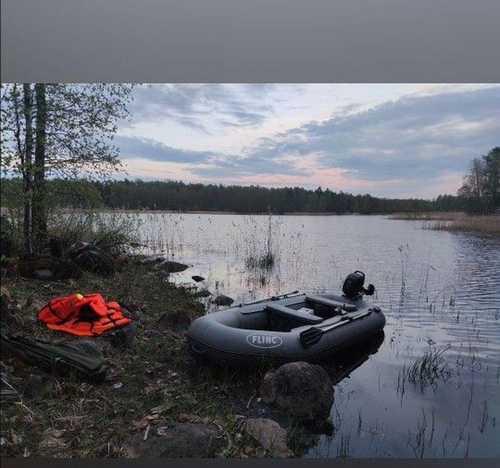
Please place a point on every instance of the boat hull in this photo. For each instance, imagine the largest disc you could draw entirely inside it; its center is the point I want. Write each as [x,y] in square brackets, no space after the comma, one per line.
[235,336]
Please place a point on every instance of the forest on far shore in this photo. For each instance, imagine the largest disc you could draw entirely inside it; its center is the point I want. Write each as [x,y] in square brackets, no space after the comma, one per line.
[180,196]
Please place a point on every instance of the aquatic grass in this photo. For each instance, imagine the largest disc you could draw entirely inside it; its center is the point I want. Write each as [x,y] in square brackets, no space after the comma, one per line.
[344,447]
[113,232]
[427,216]
[424,435]
[454,221]
[263,262]
[481,224]
[429,369]
[258,257]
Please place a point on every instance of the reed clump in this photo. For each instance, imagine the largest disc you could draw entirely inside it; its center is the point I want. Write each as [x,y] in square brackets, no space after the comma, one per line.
[429,369]
[428,216]
[454,221]
[481,224]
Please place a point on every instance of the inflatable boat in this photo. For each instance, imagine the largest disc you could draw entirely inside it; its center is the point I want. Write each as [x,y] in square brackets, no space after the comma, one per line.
[295,327]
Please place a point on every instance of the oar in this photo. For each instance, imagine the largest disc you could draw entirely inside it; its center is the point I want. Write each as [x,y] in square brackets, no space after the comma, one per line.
[272,298]
[313,335]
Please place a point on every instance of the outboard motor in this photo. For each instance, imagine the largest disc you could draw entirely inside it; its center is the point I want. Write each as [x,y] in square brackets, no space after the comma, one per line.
[354,286]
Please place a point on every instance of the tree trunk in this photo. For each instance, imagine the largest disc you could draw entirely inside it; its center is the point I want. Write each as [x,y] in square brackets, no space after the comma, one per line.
[39,208]
[27,169]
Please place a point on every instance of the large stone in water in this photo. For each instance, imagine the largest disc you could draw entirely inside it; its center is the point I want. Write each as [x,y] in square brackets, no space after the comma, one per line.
[172,267]
[302,390]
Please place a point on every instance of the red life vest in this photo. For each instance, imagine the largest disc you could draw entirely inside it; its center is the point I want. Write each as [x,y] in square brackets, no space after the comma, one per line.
[88,315]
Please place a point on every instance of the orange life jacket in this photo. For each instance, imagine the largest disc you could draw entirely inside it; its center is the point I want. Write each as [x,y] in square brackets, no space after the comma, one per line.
[88,315]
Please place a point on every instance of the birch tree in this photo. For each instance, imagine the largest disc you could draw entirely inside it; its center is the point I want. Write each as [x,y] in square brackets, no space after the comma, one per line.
[63,130]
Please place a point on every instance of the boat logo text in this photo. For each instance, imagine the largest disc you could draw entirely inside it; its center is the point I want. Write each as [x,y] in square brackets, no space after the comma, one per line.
[264,341]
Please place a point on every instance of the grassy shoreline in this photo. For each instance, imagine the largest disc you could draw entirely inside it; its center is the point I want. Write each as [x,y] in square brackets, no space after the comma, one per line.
[454,222]
[152,383]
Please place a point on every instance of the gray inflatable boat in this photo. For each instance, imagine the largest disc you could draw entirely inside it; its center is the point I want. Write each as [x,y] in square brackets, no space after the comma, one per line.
[283,329]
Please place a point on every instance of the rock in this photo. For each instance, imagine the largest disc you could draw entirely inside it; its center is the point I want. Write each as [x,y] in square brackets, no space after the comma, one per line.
[172,267]
[47,267]
[303,390]
[180,440]
[203,293]
[270,435]
[197,278]
[122,337]
[223,300]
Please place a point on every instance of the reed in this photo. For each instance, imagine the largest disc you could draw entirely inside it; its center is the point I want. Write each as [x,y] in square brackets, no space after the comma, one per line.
[428,216]
[454,221]
[429,369]
[480,224]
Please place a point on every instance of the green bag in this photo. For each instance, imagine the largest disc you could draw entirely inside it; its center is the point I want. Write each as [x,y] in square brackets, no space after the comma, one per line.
[79,356]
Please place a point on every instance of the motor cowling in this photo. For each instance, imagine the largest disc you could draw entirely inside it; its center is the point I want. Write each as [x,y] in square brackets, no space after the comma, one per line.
[354,285]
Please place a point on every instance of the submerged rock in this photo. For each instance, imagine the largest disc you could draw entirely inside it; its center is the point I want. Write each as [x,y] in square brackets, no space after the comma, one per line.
[303,390]
[181,440]
[152,259]
[270,435]
[223,300]
[172,267]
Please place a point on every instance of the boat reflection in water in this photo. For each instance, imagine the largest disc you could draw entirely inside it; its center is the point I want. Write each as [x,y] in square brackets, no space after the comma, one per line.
[348,360]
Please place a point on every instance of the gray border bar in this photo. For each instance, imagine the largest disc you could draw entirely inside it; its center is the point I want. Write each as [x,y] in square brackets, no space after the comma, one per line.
[252,463]
[250,40]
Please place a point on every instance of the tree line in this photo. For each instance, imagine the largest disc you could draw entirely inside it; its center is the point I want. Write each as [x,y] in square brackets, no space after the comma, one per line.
[180,196]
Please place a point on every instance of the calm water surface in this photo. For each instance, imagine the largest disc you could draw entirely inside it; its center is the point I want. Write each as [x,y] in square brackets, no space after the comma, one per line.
[440,292]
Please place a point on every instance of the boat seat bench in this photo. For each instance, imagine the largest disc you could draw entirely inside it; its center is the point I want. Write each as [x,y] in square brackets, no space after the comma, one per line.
[299,316]
[330,303]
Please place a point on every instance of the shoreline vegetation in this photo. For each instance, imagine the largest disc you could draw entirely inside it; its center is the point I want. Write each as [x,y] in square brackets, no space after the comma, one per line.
[156,399]
[152,383]
[454,222]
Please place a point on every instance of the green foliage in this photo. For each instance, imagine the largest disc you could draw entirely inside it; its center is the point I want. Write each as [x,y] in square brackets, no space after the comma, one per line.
[179,196]
[481,187]
[112,232]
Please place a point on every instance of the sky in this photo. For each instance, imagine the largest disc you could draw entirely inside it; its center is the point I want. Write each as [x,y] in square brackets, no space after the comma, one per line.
[389,140]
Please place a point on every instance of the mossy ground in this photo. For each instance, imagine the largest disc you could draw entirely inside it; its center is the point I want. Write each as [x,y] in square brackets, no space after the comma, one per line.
[152,382]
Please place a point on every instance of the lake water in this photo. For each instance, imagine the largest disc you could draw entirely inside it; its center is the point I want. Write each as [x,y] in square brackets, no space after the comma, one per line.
[440,292]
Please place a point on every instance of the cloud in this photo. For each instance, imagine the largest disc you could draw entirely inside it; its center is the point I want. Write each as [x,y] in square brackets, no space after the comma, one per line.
[148,149]
[418,145]
[191,104]
[414,137]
